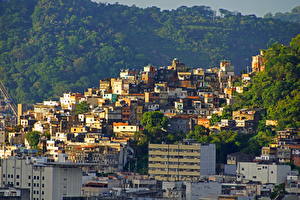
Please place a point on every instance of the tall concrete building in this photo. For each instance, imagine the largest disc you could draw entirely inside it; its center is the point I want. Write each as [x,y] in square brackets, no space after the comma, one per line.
[45,180]
[180,162]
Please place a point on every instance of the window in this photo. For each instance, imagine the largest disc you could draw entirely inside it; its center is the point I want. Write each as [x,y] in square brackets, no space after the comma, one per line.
[28,184]
[17,183]
[8,175]
[33,191]
[29,177]
[18,176]
[3,175]
[43,178]
[42,192]
[38,178]
[272,172]
[34,177]
[254,177]
[43,185]
[243,169]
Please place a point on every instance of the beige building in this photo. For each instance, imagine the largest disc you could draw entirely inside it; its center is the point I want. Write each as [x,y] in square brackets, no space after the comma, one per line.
[172,162]
[245,114]
[45,180]
[258,62]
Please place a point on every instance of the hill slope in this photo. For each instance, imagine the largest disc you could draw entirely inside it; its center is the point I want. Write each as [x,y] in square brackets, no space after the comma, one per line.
[50,46]
[277,90]
[293,16]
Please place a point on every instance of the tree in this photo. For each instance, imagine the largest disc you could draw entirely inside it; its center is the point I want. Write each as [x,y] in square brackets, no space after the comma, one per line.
[227,142]
[199,134]
[214,119]
[227,113]
[33,138]
[155,125]
[278,190]
[82,107]
[256,142]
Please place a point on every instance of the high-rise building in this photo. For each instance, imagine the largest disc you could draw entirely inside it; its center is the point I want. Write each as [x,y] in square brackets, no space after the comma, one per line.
[179,162]
[45,180]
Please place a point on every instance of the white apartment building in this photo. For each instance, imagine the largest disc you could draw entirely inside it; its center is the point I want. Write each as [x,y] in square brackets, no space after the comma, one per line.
[45,180]
[264,173]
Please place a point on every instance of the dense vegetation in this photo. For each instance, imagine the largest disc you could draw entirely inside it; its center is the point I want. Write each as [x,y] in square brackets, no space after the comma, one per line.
[277,89]
[82,107]
[33,138]
[51,46]
[293,16]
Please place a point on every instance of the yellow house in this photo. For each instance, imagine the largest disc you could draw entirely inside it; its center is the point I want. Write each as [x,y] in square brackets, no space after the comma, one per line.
[78,129]
[124,129]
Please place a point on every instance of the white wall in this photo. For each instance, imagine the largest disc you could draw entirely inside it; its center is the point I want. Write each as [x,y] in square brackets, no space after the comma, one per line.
[264,173]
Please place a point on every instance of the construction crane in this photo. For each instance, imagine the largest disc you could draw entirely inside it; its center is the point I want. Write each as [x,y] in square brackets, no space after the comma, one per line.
[8,99]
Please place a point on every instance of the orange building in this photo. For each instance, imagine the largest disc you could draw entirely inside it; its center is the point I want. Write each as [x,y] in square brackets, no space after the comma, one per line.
[204,122]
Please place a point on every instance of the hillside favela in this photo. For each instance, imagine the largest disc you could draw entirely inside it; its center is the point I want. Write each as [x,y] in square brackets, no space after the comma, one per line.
[114,101]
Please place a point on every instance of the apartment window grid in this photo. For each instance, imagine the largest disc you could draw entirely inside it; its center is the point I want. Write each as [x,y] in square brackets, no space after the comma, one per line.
[175,165]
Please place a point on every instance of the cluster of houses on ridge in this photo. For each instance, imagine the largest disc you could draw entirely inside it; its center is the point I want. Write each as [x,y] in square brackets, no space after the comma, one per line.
[88,151]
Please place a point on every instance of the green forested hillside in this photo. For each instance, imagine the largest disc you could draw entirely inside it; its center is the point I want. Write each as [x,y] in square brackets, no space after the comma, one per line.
[293,16]
[50,46]
[277,90]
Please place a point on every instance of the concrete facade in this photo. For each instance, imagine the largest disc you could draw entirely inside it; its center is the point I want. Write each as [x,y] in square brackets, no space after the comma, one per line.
[209,190]
[46,181]
[264,173]
[181,162]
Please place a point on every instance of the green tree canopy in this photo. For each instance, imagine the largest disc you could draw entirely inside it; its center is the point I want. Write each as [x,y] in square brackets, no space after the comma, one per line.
[155,125]
[200,134]
[293,16]
[49,47]
[33,138]
[277,89]
[82,107]
[214,119]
